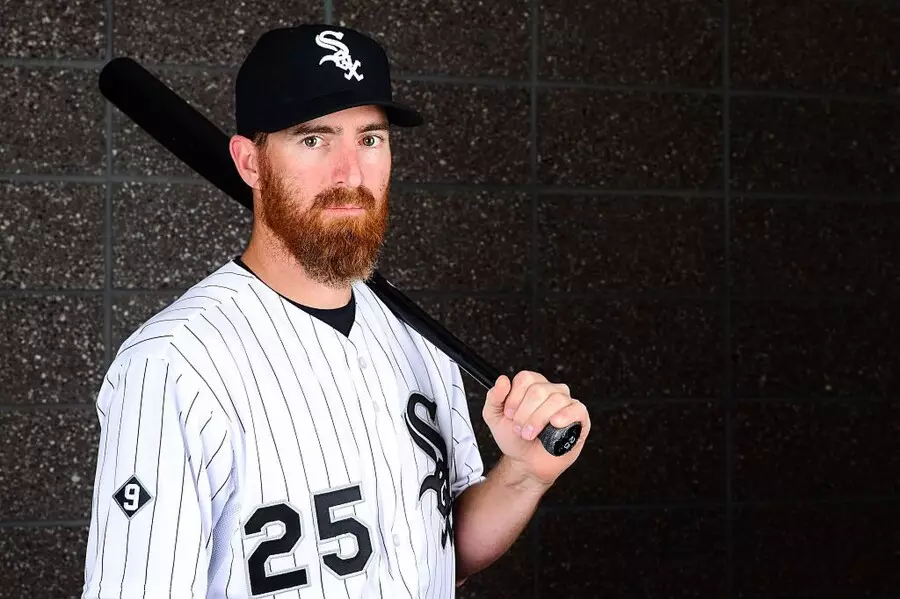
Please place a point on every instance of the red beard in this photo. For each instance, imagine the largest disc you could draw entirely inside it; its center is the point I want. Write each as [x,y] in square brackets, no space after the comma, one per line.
[336,250]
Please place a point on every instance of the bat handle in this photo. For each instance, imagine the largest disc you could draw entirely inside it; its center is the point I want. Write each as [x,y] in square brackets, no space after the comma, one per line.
[557,441]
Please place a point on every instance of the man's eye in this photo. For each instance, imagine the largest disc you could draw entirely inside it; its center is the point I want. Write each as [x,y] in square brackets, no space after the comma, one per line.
[371,140]
[309,142]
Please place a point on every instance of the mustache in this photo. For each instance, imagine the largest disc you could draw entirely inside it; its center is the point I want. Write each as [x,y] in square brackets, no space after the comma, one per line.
[339,197]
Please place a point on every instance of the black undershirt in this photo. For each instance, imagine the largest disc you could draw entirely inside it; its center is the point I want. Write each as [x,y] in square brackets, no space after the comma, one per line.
[339,318]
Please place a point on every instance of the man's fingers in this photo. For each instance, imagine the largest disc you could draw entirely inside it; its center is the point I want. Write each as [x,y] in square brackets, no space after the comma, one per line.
[542,414]
[519,398]
[574,412]
[520,408]
[521,384]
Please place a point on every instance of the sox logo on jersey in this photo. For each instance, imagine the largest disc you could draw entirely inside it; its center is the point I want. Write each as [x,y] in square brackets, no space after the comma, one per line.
[429,440]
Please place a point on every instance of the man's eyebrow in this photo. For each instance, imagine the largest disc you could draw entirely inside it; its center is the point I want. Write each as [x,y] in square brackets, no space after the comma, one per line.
[304,129]
[380,126]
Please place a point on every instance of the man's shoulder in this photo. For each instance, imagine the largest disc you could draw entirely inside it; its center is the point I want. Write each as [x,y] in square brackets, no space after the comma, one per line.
[182,320]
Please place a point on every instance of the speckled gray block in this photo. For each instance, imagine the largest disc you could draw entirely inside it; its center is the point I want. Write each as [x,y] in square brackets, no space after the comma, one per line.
[455,37]
[472,135]
[812,550]
[171,236]
[53,121]
[630,243]
[665,42]
[42,562]
[205,33]
[632,348]
[456,241]
[630,140]
[47,463]
[647,454]
[51,235]
[818,449]
[809,246]
[53,349]
[678,554]
[816,348]
[816,45]
[136,153]
[50,29]
[498,330]
[809,146]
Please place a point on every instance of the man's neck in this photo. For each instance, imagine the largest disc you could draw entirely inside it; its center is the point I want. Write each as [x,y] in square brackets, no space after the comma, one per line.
[281,272]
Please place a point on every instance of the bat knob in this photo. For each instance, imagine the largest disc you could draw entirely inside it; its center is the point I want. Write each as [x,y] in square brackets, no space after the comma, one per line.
[559,441]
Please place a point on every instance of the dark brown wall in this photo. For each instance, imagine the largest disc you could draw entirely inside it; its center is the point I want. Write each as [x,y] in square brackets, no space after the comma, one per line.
[685,209]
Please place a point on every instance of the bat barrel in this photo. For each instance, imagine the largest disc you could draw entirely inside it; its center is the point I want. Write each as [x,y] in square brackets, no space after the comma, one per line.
[174,123]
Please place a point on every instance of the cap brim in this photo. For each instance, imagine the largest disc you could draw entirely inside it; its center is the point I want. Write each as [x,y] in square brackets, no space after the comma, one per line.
[402,115]
[397,113]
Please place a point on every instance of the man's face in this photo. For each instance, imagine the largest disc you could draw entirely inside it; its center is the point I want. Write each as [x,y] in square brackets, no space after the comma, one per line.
[324,189]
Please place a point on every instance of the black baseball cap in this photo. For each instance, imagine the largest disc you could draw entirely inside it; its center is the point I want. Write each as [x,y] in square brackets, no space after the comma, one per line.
[295,74]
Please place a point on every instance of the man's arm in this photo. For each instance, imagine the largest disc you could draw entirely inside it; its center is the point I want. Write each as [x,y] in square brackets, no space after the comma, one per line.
[163,455]
[491,515]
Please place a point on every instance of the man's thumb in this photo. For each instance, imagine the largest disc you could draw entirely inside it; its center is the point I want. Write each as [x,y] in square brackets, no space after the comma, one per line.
[496,397]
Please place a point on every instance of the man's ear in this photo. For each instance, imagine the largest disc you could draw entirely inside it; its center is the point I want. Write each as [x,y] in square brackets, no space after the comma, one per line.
[246,159]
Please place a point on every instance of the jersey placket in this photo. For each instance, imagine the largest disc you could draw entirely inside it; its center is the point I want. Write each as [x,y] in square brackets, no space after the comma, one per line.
[373,377]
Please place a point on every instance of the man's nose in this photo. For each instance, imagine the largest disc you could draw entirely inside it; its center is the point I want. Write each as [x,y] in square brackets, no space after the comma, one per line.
[347,171]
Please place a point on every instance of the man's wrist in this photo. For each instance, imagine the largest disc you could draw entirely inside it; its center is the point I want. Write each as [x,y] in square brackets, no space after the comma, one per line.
[517,477]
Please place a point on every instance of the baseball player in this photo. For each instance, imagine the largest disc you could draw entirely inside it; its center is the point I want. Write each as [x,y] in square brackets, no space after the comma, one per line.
[277,431]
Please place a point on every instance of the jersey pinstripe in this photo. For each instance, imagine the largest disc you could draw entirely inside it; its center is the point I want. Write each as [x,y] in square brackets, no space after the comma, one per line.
[249,449]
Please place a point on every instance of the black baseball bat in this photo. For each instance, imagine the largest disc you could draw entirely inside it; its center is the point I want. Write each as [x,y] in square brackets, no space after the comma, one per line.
[201,145]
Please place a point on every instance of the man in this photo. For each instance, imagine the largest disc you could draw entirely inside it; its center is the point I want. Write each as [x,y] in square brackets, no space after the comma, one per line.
[277,431]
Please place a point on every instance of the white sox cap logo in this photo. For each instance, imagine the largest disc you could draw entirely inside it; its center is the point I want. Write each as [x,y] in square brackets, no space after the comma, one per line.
[341,57]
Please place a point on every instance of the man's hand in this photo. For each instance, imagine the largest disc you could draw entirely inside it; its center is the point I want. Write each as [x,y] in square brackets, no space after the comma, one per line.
[516,411]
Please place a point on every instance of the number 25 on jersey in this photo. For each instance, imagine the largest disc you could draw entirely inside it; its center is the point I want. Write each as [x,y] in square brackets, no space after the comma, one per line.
[327,528]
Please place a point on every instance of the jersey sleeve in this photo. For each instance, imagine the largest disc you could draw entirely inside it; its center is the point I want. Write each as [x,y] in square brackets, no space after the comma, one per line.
[468,465]
[163,476]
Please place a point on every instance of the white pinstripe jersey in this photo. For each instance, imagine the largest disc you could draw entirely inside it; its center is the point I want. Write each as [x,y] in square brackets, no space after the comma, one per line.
[250,449]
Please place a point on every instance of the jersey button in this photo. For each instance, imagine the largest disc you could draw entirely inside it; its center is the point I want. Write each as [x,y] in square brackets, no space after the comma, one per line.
[397,540]
[362,362]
